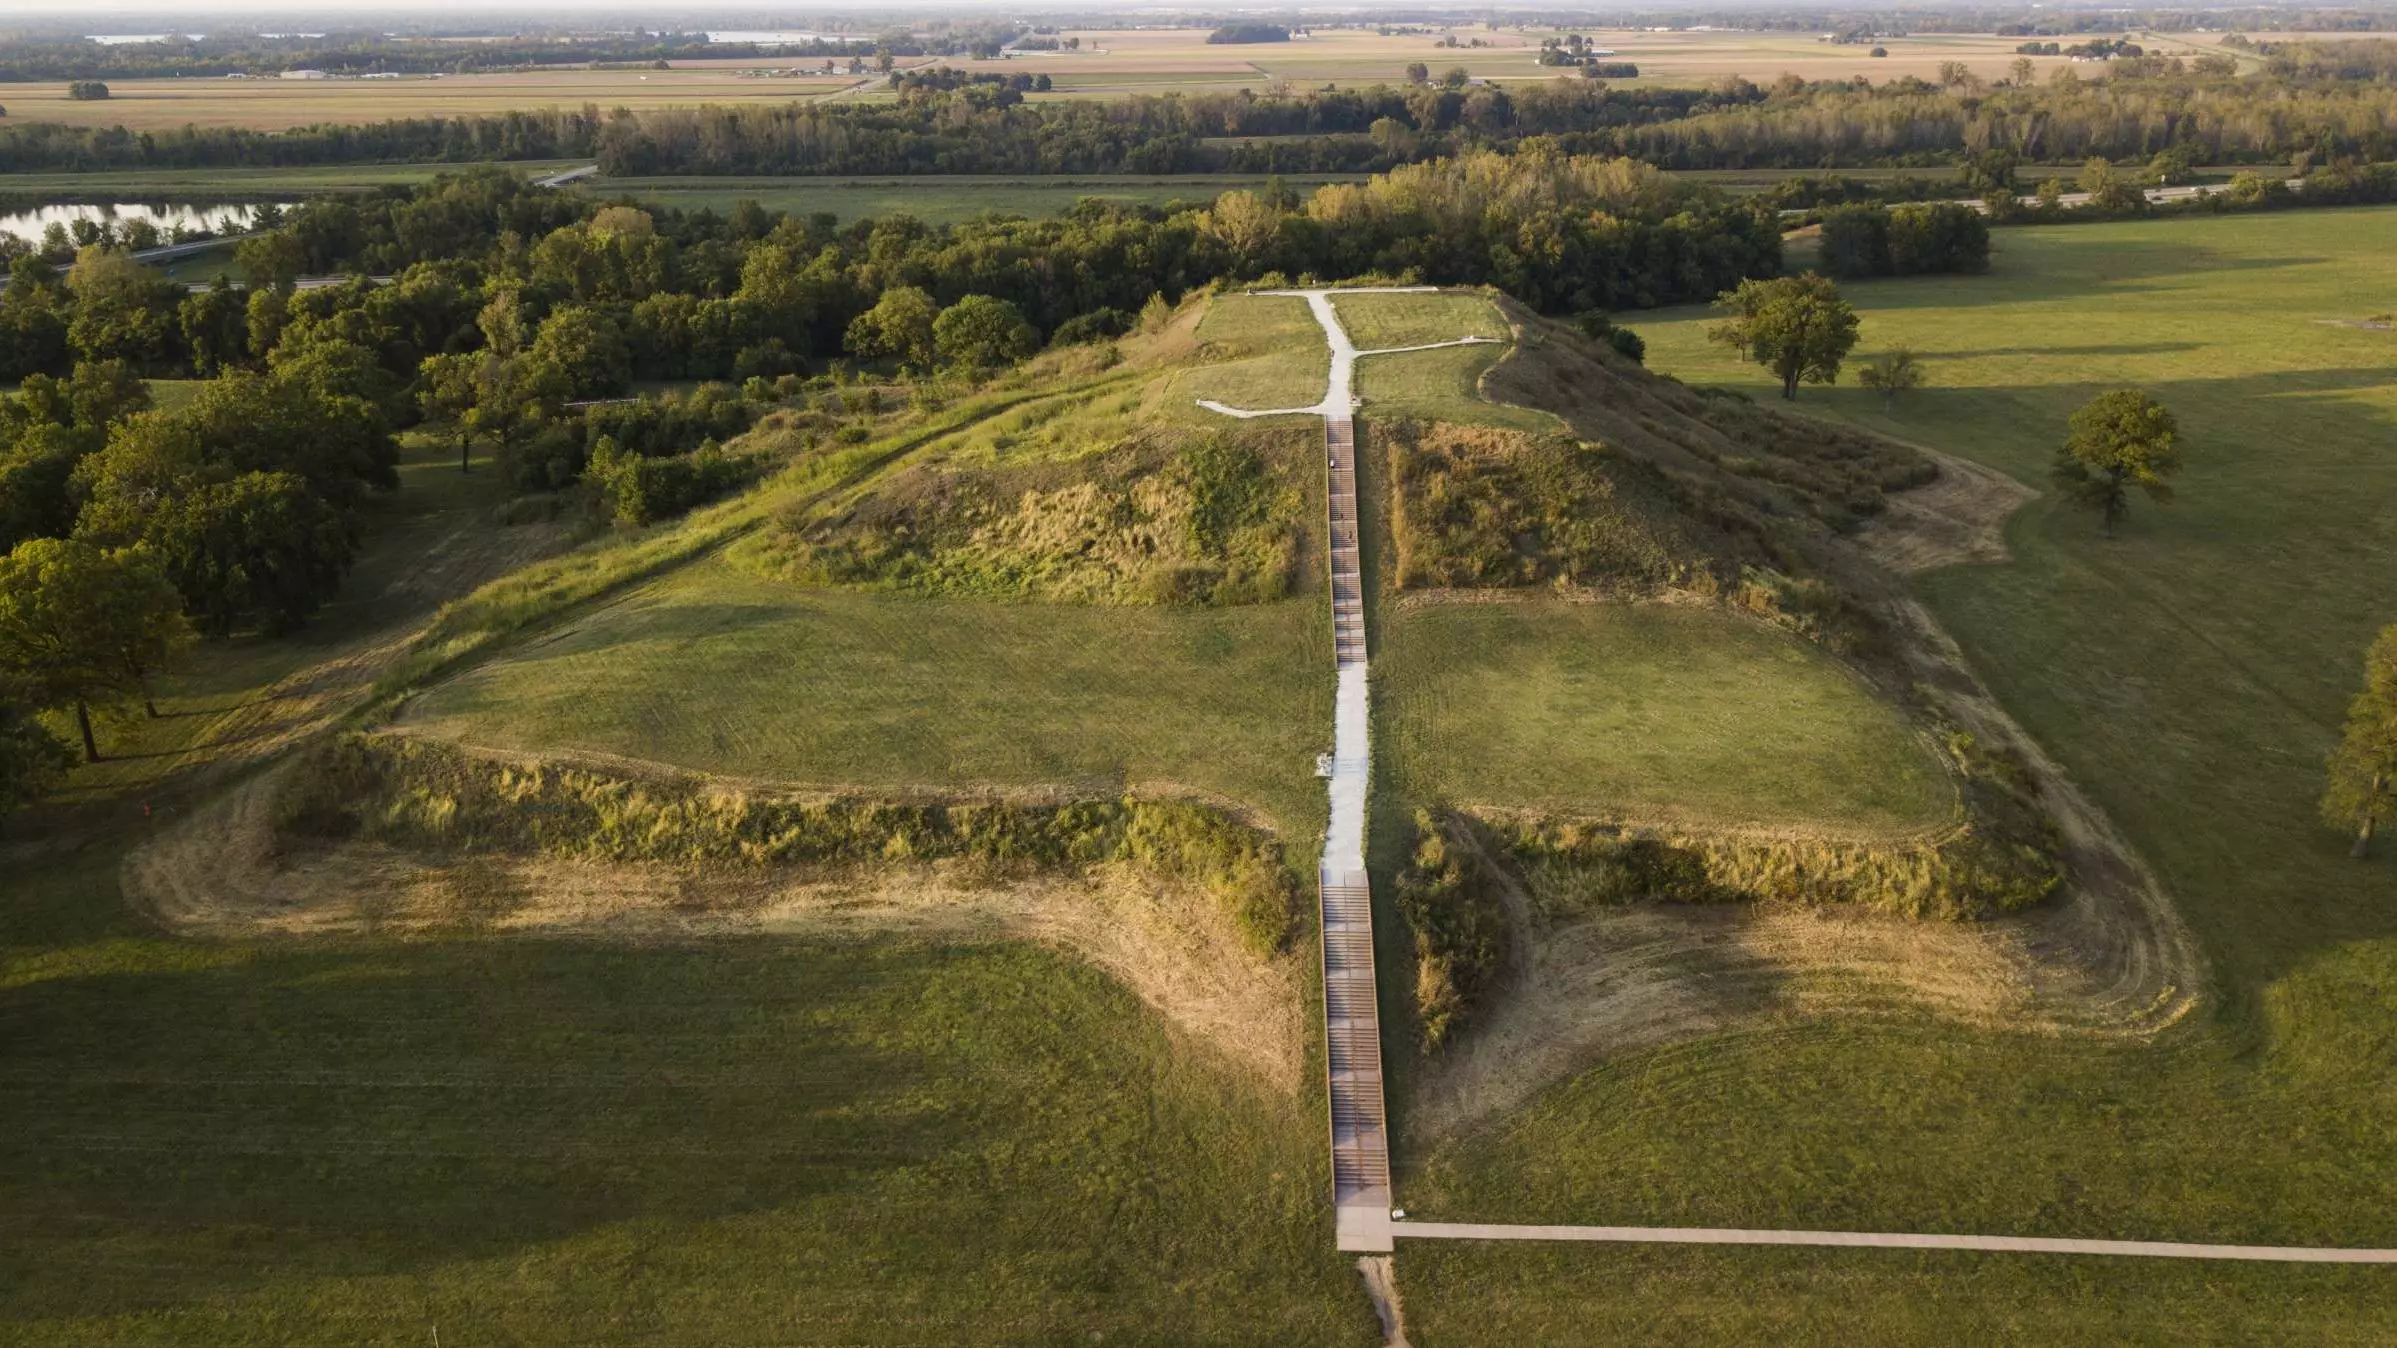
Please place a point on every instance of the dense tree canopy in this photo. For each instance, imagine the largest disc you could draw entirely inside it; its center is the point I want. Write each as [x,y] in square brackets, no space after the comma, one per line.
[83,627]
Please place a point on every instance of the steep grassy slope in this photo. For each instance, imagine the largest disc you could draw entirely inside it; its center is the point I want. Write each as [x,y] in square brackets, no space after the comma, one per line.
[2190,675]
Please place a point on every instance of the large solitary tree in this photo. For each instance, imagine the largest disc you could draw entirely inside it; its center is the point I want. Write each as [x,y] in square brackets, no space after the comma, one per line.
[81,627]
[1796,326]
[2119,440]
[2363,770]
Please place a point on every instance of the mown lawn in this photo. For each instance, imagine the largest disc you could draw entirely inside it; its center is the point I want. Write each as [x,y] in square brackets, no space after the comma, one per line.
[1644,712]
[1376,322]
[566,1142]
[2191,675]
[1272,353]
[714,670]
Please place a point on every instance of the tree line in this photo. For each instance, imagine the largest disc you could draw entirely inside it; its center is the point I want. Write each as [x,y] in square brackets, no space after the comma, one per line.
[2303,106]
[36,59]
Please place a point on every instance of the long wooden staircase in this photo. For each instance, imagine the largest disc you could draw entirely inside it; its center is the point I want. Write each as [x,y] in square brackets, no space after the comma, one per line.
[1352,1021]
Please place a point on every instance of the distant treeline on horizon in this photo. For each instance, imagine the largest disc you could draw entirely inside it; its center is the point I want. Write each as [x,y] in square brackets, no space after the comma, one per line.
[2327,100]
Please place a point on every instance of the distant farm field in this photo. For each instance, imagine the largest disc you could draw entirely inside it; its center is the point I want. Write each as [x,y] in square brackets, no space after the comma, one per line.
[2191,676]
[1645,712]
[278,104]
[1110,64]
[1114,63]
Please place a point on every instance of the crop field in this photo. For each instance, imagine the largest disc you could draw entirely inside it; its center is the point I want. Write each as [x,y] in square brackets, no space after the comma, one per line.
[740,1140]
[1111,64]
[1116,63]
[714,671]
[1644,712]
[940,198]
[277,104]
[2190,675]
[202,184]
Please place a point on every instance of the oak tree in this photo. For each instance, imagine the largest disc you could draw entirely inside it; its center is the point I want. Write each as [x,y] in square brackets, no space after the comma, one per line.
[2119,440]
[1796,326]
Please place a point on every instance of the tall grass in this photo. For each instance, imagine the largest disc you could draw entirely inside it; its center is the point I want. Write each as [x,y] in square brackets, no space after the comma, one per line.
[418,793]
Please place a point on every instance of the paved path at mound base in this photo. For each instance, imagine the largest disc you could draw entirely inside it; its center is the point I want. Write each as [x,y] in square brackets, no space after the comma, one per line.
[1885,1240]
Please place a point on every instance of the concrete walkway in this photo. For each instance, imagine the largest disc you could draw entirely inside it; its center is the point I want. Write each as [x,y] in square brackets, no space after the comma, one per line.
[1352,1021]
[1883,1240]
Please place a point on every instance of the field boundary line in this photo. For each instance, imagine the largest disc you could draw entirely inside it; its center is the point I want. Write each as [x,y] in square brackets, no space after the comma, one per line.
[1886,1240]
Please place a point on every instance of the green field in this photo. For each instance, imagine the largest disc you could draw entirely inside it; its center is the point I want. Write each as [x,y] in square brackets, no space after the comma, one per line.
[1644,712]
[556,1141]
[1378,322]
[716,671]
[938,198]
[2191,676]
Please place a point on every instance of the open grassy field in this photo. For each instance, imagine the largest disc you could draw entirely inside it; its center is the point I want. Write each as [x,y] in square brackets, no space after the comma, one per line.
[554,1141]
[1644,712]
[940,198]
[718,672]
[1116,63]
[277,104]
[1277,356]
[2190,675]
[1378,322]
[1440,385]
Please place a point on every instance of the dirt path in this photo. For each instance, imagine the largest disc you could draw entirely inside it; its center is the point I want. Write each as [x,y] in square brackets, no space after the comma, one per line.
[220,874]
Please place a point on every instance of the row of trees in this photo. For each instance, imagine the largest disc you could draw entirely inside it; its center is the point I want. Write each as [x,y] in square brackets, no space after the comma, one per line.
[937,126]
[82,629]
[704,296]
[1904,240]
[26,58]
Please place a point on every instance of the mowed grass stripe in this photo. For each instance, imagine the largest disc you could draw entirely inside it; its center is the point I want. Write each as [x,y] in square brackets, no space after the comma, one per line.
[745,1140]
